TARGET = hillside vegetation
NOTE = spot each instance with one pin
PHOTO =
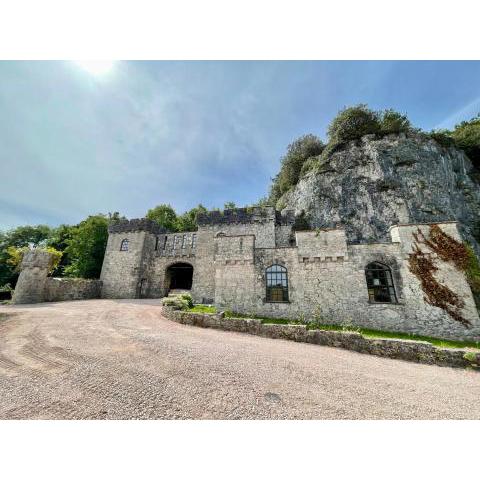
(308, 152)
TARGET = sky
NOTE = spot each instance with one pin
(75, 143)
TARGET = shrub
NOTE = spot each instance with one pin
(353, 123)
(177, 303)
(298, 152)
(187, 298)
(443, 137)
(394, 122)
(16, 256)
(6, 288)
(467, 137)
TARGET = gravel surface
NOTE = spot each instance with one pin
(121, 359)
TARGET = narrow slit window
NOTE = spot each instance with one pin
(184, 241)
(194, 240)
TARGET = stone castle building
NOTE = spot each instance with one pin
(255, 261)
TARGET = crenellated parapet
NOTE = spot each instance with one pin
(245, 216)
(137, 225)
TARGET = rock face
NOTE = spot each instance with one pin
(375, 183)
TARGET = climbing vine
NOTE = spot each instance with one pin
(422, 265)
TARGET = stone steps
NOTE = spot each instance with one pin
(176, 292)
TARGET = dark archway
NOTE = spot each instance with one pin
(179, 276)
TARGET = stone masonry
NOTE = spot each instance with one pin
(35, 286)
(228, 257)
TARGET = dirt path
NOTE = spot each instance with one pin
(123, 360)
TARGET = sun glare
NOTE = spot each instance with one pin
(96, 67)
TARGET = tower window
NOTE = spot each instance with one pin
(184, 241)
(277, 284)
(124, 245)
(380, 283)
(194, 240)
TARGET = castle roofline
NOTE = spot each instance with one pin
(246, 215)
(137, 225)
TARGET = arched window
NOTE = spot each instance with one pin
(277, 284)
(380, 283)
(124, 245)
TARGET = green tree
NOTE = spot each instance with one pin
(229, 205)
(58, 240)
(467, 137)
(353, 123)
(16, 256)
(19, 237)
(187, 222)
(394, 122)
(86, 247)
(164, 215)
(298, 152)
(443, 137)
(27, 234)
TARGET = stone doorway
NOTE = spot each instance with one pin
(179, 276)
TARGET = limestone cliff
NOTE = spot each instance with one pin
(374, 183)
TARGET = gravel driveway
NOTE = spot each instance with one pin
(123, 360)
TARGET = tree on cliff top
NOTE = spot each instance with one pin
(353, 123)
(298, 152)
(467, 137)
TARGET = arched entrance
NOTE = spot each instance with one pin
(179, 276)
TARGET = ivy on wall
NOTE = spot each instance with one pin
(422, 265)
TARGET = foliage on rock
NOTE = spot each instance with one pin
(353, 123)
(465, 136)
(422, 265)
(394, 122)
(298, 152)
(308, 152)
(16, 255)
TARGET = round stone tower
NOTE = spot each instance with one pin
(30, 286)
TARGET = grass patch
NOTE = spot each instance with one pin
(202, 309)
(365, 332)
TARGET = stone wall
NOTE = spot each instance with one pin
(34, 285)
(326, 274)
(122, 270)
(61, 289)
(414, 351)
(374, 183)
(30, 286)
(327, 284)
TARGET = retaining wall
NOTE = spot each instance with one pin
(61, 289)
(414, 351)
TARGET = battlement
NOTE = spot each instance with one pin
(245, 216)
(136, 225)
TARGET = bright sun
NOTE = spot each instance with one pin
(96, 67)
